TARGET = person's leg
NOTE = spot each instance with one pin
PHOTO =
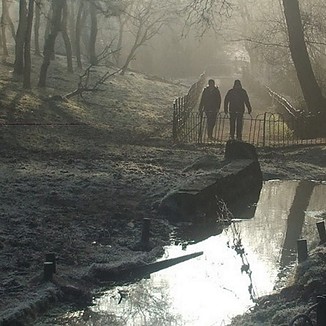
(232, 124)
(239, 125)
(211, 121)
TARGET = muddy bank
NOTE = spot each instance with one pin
(301, 294)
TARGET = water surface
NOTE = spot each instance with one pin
(249, 259)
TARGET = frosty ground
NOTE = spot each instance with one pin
(82, 190)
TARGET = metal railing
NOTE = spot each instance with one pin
(265, 130)
(184, 106)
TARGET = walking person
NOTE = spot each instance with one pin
(234, 103)
(210, 103)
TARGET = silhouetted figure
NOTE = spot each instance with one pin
(210, 102)
(234, 103)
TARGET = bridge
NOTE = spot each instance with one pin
(282, 127)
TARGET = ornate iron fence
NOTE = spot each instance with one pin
(264, 130)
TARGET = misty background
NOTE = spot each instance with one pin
(177, 39)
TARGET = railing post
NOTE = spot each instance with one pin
(264, 130)
(321, 231)
(145, 232)
(321, 311)
(48, 269)
(174, 126)
(50, 257)
(302, 250)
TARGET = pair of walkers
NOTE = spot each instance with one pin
(234, 104)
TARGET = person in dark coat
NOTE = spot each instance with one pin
(210, 103)
(234, 103)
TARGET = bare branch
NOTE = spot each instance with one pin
(206, 14)
(83, 84)
(259, 42)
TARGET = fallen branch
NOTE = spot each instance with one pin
(83, 85)
(124, 272)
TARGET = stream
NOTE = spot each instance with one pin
(250, 258)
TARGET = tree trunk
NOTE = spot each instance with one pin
(72, 25)
(66, 38)
(20, 39)
(117, 55)
(49, 16)
(27, 50)
(3, 28)
(0, 40)
(129, 58)
(50, 41)
(93, 35)
(38, 4)
(311, 91)
(139, 40)
(11, 24)
(78, 33)
(68, 47)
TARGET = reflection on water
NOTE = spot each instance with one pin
(212, 288)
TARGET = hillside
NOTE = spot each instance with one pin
(78, 176)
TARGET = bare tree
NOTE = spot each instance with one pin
(66, 39)
(93, 33)
(79, 25)
(4, 21)
(56, 23)
(20, 39)
(27, 47)
(38, 6)
(119, 10)
(147, 19)
(122, 22)
(72, 9)
(311, 91)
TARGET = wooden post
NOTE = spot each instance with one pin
(48, 271)
(321, 311)
(145, 231)
(302, 250)
(321, 231)
(50, 257)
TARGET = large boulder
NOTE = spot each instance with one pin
(235, 150)
(208, 192)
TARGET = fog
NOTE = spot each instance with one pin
(185, 38)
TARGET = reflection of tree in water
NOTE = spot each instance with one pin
(295, 221)
(141, 304)
(239, 249)
(149, 304)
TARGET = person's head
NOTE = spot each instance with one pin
(211, 83)
(237, 84)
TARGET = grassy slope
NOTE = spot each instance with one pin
(130, 107)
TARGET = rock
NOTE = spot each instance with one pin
(206, 193)
(207, 162)
(235, 150)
